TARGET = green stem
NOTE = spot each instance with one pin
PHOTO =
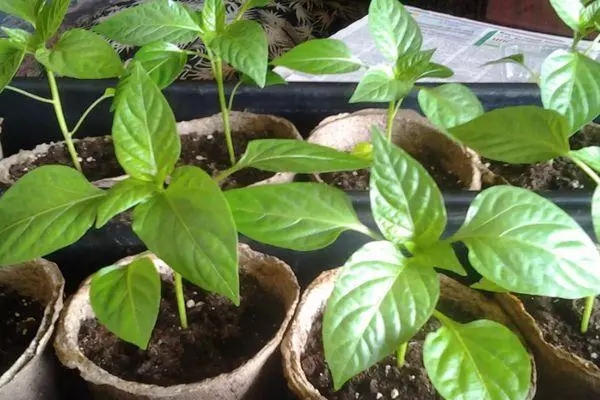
(224, 174)
(61, 120)
(89, 109)
(217, 66)
(442, 318)
(587, 313)
(180, 300)
(576, 40)
(390, 120)
(242, 10)
(401, 354)
(590, 172)
(233, 92)
(30, 95)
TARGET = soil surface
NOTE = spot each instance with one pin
(384, 380)
(21, 318)
(359, 180)
(219, 339)
(98, 159)
(559, 320)
(557, 174)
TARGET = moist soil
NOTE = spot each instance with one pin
(560, 319)
(359, 180)
(98, 160)
(384, 380)
(557, 174)
(21, 318)
(220, 337)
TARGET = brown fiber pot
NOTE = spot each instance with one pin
(272, 274)
(314, 300)
(563, 374)
(242, 123)
(413, 133)
(33, 375)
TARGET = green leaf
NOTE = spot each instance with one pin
(272, 79)
(154, 21)
(526, 244)
(489, 286)
(126, 299)
(244, 46)
(405, 201)
(46, 210)
(393, 28)
(589, 156)
(257, 3)
(409, 67)
(516, 135)
(570, 11)
(319, 56)
(481, 360)
(440, 255)
(162, 61)
(101, 60)
(380, 85)
(570, 84)
(297, 216)
(21, 38)
(191, 228)
(596, 212)
(449, 105)
(363, 150)
(435, 70)
(212, 19)
(50, 17)
(289, 155)
(590, 14)
(514, 58)
(11, 56)
(380, 300)
(24, 9)
(123, 196)
(144, 131)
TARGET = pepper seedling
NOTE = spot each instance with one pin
(76, 53)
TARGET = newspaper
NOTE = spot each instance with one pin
(461, 44)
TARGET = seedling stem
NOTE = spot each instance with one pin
(401, 354)
(180, 300)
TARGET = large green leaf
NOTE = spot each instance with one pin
(406, 203)
(123, 196)
(50, 17)
(596, 212)
(21, 38)
(191, 228)
(153, 21)
(570, 84)
(289, 155)
(126, 299)
(481, 360)
(393, 28)
(144, 131)
(527, 244)
(11, 56)
(24, 9)
(380, 85)
(410, 66)
(297, 216)
(435, 70)
(162, 61)
(590, 15)
(212, 19)
(440, 255)
(244, 45)
(523, 134)
(589, 156)
(319, 56)
(380, 300)
(449, 105)
(46, 210)
(570, 11)
(100, 61)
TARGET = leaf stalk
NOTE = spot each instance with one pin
(401, 354)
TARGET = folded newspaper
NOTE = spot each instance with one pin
(461, 44)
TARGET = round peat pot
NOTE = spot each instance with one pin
(309, 315)
(272, 275)
(452, 166)
(32, 375)
(564, 374)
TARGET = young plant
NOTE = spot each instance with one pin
(398, 38)
(388, 289)
(76, 53)
(569, 84)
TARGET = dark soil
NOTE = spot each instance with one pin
(359, 180)
(559, 321)
(98, 160)
(219, 339)
(557, 174)
(384, 380)
(21, 318)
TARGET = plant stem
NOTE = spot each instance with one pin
(576, 39)
(233, 92)
(442, 318)
(180, 300)
(590, 172)
(217, 66)
(61, 120)
(224, 174)
(390, 119)
(242, 10)
(401, 354)
(587, 313)
(30, 95)
(89, 109)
